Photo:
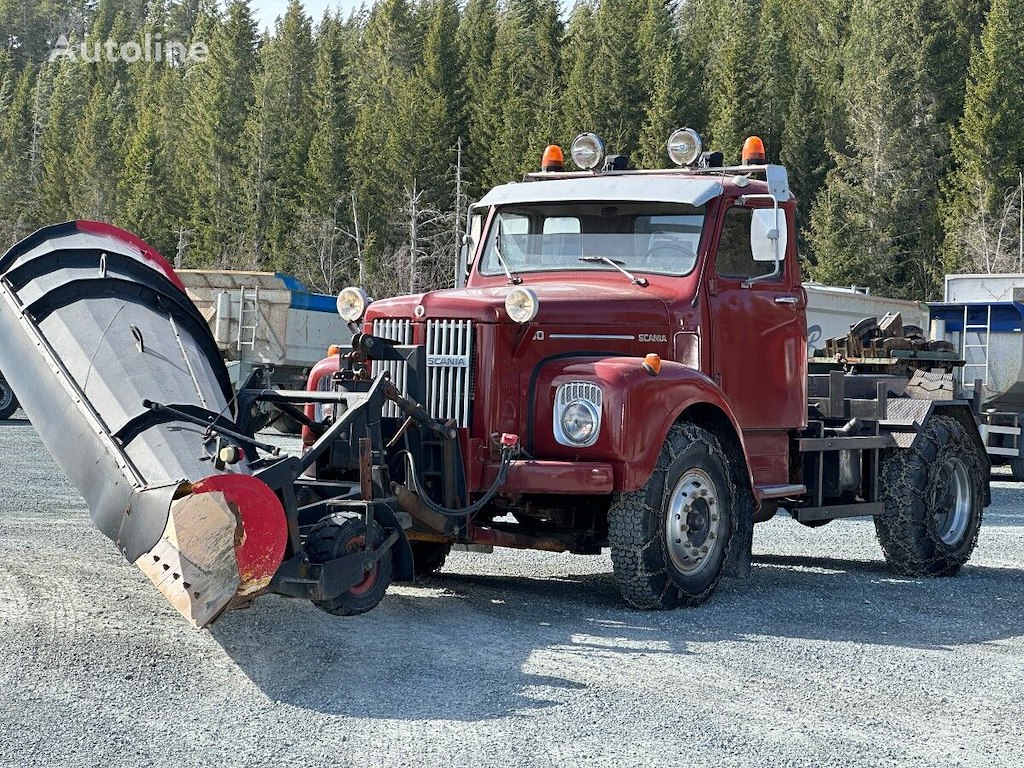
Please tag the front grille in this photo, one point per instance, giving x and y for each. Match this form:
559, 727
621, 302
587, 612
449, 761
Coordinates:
449, 351
449, 369
399, 331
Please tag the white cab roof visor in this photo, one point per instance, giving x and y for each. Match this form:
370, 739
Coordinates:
621, 189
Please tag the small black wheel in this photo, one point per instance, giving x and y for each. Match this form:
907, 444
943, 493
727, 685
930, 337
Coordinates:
933, 495
340, 534
8, 402
1017, 469
670, 539
428, 556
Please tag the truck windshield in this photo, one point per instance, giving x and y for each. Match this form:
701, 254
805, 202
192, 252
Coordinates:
660, 238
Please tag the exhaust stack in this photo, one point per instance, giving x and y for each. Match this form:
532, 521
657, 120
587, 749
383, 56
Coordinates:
94, 323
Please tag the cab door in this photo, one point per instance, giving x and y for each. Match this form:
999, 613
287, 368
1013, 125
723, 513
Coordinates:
759, 346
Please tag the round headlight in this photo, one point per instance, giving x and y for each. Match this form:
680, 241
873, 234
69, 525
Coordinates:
684, 146
579, 422
522, 305
587, 151
352, 304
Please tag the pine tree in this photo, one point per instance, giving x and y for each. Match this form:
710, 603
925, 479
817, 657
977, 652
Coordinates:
665, 103
63, 114
327, 204
277, 138
736, 98
476, 36
221, 97
579, 101
874, 223
437, 103
775, 75
17, 177
804, 152
619, 93
988, 145
147, 203
520, 98
379, 156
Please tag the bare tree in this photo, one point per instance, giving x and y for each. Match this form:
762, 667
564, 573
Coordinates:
994, 242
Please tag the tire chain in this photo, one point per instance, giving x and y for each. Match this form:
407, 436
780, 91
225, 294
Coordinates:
908, 541
626, 526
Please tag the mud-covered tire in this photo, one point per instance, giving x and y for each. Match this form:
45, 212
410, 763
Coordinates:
8, 401
654, 561
428, 556
934, 498
339, 534
1017, 469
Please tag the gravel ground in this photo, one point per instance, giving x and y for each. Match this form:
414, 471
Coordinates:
511, 659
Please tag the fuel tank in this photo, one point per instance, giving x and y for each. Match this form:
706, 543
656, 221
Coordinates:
96, 329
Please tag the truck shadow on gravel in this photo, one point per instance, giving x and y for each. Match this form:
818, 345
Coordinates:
478, 647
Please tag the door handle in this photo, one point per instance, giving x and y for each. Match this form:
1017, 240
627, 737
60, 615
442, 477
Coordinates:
786, 300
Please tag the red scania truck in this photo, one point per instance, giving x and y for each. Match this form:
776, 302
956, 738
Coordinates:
623, 364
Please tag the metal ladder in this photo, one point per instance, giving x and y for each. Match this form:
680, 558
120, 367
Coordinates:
248, 317
984, 332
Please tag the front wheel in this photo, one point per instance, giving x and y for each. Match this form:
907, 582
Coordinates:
337, 535
933, 495
669, 540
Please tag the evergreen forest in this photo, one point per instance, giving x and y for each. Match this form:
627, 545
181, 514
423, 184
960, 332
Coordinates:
345, 149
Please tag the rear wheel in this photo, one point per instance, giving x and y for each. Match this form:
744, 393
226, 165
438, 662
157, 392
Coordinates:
1017, 468
337, 535
8, 402
933, 495
669, 540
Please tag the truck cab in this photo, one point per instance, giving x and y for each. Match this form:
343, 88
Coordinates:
622, 364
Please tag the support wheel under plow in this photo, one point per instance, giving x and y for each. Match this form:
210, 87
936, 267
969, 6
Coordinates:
343, 534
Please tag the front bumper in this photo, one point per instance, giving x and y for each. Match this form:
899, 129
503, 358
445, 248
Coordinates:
560, 477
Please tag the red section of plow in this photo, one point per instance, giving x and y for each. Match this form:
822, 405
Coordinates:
149, 253
265, 529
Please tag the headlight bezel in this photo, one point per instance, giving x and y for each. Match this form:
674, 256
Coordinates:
577, 397
514, 309
349, 299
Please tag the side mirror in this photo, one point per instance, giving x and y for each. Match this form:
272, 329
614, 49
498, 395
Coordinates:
768, 235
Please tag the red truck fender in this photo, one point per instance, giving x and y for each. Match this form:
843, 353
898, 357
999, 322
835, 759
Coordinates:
637, 411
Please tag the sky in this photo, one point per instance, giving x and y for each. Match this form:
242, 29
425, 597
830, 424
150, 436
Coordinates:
266, 11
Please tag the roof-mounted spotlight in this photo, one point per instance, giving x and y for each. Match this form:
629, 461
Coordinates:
684, 146
587, 151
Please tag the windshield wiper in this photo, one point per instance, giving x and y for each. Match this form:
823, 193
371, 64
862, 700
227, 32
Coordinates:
512, 278
642, 282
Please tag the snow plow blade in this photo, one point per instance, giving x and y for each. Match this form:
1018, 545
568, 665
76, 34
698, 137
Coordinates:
97, 331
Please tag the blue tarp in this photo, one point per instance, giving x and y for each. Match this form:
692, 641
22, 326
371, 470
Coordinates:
303, 299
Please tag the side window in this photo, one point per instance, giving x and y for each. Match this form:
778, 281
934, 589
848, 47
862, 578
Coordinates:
735, 257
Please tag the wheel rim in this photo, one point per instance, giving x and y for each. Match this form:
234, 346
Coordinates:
951, 500
6, 396
355, 544
694, 523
